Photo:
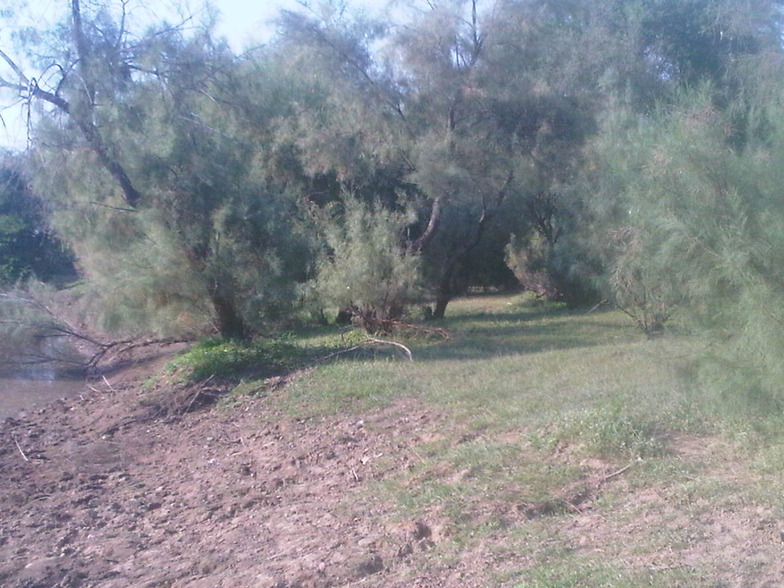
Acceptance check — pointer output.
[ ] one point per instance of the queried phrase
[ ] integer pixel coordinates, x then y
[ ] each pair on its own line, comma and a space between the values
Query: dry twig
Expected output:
394, 343
20, 449
613, 475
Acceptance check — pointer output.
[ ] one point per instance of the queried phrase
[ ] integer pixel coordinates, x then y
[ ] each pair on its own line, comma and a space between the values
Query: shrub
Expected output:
365, 267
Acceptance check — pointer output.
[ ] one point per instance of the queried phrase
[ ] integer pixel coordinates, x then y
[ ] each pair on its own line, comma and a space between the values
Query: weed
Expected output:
611, 432
232, 359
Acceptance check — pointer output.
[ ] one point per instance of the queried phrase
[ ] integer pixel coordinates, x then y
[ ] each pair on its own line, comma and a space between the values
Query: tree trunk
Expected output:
432, 227
446, 289
230, 323
442, 299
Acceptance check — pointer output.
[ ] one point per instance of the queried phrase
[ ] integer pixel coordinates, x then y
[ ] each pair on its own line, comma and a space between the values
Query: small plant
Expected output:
644, 294
232, 359
614, 433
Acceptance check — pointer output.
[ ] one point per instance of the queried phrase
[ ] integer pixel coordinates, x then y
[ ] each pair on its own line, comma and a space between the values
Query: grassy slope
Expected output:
575, 454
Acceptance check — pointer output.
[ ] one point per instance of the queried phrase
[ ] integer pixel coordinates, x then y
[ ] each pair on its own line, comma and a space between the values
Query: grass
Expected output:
217, 358
515, 363
544, 406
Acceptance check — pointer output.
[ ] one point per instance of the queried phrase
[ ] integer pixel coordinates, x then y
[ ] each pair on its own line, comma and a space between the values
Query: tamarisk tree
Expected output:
154, 173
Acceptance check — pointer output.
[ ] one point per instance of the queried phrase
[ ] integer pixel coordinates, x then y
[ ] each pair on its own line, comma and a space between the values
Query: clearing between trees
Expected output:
536, 446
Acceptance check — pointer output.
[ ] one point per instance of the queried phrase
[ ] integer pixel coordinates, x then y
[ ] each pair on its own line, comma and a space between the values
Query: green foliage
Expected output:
212, 244
534, 119
700, 228
366, 266
28, 248
233, 360
611, 431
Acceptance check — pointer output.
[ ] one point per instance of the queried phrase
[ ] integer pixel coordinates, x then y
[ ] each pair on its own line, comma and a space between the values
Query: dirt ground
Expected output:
131, 486
107, 490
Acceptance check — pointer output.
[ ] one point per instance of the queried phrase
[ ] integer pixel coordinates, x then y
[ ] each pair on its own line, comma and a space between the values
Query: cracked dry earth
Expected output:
96, 492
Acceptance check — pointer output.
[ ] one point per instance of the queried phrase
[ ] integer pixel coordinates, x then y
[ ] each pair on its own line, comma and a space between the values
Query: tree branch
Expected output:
14, 67
432, 227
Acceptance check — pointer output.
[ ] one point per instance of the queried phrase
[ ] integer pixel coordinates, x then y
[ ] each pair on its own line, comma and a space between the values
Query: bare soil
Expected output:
131, 486
109, 489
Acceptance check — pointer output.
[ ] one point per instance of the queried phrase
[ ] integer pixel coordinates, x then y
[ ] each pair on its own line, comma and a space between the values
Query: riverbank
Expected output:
101, 490
533, 447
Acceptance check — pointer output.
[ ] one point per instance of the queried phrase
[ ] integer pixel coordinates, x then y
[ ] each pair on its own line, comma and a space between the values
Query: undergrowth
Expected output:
234, 360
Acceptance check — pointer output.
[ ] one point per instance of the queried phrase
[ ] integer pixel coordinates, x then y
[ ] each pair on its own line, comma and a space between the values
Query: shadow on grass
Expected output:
519, 330
524, 329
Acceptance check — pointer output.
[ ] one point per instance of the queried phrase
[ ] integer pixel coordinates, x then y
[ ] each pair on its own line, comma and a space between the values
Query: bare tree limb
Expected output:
17, 70
20, 449
433, 223
393, 343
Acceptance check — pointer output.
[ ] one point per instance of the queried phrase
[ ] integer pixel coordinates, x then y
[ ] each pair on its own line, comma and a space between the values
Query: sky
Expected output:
242, 22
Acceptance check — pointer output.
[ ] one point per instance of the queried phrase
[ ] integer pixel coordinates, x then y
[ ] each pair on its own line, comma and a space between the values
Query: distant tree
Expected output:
28, 247
460, 126
623, 62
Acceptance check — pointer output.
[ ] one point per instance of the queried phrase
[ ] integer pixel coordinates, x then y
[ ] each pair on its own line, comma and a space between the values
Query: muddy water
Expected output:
17, 394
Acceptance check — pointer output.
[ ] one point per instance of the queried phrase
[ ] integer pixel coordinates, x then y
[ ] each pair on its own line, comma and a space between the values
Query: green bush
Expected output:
366, 267
696, 195
233, 360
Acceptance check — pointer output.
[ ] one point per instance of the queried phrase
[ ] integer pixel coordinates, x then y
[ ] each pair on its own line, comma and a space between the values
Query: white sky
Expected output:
242, 22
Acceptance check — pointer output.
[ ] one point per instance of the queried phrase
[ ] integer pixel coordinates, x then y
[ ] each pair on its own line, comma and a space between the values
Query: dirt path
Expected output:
98, 492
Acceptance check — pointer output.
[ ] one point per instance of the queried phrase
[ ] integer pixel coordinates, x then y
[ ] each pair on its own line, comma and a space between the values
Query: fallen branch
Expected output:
199, 391
52, 326
20, 449
394, 343
341, 352
365, 343
613, 475
597, 305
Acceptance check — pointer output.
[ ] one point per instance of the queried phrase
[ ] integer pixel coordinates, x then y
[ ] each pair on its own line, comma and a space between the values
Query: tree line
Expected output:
589, 150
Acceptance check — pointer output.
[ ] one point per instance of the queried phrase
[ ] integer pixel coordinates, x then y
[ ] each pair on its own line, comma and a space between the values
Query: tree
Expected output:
28, 247
157, 177
458, 123
709, 214
95, 64
364, 267
622, 62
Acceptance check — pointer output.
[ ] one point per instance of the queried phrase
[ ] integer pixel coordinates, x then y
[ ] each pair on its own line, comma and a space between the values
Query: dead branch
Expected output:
17, 70
56, 326
393, 343
20, 449
613, 475
124, 346
367, 342
199, 391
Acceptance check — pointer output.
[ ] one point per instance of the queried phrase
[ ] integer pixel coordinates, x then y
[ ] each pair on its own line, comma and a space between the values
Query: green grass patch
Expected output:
233, 360
539, 404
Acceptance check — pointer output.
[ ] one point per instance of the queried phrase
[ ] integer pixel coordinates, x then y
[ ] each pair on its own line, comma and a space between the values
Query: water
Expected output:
17, 394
